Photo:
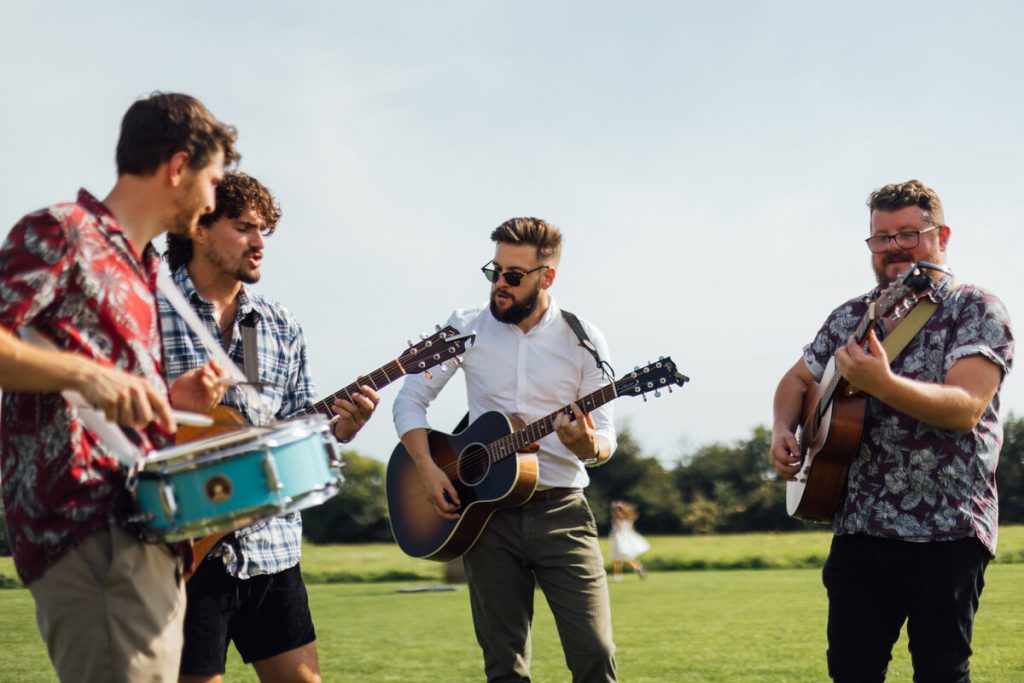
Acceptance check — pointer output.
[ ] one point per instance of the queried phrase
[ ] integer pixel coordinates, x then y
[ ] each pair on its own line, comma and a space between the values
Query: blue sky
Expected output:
707, 162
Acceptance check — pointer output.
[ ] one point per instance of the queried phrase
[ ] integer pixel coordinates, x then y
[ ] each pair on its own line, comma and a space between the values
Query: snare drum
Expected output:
227, 481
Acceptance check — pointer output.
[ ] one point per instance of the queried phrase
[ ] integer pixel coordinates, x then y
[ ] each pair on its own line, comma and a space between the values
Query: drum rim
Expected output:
279, 434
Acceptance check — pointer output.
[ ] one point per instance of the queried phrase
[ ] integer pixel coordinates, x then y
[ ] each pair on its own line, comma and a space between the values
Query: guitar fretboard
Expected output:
535, 431
378, 379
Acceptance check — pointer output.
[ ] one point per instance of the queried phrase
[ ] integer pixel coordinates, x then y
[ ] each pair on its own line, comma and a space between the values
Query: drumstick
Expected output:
184, 417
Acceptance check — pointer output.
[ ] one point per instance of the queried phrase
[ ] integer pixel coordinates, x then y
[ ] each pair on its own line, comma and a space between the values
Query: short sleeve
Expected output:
981, 328
34, 262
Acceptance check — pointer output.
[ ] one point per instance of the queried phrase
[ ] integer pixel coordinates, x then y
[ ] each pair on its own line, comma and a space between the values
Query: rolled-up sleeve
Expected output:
594, 379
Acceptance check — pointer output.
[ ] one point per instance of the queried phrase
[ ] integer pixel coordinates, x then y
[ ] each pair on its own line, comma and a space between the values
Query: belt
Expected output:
548, 495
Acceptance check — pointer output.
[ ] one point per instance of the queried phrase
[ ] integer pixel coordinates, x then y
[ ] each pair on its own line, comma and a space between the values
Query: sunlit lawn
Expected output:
741, 625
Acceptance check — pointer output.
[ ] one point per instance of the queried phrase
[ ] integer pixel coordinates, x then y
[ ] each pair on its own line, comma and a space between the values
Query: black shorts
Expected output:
264, 616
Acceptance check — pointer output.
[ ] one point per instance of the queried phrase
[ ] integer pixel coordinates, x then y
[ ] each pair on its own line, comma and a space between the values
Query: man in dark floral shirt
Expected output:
82, 275
919, 521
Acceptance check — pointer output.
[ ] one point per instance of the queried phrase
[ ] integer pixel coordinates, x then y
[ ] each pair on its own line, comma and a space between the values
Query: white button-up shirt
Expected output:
528, 375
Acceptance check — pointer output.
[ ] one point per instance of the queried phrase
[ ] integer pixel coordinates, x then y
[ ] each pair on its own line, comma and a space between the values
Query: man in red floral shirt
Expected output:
83, 275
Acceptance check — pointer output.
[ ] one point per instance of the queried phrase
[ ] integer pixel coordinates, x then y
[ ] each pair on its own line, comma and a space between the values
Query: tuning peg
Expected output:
427, 374
423, 335
636, 368
670, 388
644, 396
459, 360
657, 393
408, 342
437, 328
444, 367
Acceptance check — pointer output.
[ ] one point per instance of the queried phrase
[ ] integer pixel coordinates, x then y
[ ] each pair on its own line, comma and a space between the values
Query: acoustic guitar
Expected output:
489, 469
444, 346
833, 410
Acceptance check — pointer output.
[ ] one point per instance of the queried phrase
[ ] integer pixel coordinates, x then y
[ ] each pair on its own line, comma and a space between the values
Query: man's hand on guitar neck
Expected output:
869, 372
579, 435
352, 415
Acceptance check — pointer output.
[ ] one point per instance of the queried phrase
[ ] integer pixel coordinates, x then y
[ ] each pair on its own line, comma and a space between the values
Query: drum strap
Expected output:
250, 352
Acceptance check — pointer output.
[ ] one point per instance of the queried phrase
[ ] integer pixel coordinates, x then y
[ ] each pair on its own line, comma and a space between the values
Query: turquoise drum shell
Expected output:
225, 482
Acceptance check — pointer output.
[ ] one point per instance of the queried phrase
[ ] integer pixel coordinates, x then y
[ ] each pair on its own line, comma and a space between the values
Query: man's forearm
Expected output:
24, 367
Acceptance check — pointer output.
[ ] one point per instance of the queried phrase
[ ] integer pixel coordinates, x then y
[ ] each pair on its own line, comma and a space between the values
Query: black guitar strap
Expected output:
577, 328
581, 334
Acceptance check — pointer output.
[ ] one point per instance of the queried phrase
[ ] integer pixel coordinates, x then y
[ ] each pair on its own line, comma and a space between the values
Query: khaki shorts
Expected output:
111, 609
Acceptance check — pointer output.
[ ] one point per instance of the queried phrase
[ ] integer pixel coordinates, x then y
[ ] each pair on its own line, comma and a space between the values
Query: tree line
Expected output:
719, 488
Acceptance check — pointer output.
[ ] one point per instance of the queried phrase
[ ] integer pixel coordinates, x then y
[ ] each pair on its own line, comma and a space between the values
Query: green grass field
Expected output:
713, 625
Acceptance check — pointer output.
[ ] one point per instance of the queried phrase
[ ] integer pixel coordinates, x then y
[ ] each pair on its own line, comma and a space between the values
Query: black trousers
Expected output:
876, 584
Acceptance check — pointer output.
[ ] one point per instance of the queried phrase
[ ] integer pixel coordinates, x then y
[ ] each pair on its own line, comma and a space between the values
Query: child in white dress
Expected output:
626, 543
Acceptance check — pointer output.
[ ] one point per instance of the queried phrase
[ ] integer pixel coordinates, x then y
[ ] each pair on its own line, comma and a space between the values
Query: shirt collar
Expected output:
149, 259
942, 289
246, 303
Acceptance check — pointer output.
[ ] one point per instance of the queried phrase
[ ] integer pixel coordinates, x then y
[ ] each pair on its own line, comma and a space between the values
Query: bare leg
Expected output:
616, 570
638, 568
301, 665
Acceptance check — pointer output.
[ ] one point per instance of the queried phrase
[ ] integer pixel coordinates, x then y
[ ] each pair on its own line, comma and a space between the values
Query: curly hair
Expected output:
156, 128
235, 193
897, 196
541, 234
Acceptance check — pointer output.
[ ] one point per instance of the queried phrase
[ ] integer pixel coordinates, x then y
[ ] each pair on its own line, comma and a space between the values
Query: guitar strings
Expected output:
506, 445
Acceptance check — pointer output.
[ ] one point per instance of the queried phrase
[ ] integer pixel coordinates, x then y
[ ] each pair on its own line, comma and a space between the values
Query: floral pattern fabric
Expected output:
911, 480
70, 273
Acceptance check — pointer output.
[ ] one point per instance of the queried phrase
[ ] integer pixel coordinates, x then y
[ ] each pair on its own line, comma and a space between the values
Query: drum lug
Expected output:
168, 501
270, 469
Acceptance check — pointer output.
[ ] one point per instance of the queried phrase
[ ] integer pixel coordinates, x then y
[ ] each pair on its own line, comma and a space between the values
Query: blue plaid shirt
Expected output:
270, 546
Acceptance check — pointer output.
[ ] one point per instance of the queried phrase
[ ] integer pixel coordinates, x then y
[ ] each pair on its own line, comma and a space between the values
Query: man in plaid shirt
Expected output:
250, 589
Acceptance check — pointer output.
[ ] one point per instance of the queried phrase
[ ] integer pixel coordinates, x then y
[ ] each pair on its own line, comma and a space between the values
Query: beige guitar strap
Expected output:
903, 333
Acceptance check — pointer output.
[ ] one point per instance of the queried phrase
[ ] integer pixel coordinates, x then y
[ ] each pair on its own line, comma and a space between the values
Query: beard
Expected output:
883, 278
518, 311
187, 211
241, 272
905, 260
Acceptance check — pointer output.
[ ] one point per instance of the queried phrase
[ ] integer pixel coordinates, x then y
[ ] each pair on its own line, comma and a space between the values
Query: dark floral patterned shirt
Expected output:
69, 272
911, 480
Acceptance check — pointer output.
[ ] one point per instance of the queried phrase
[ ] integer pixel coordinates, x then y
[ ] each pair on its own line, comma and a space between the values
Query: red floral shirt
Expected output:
70, 273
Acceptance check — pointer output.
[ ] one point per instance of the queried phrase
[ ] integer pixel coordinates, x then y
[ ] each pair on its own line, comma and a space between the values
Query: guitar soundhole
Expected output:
473, 465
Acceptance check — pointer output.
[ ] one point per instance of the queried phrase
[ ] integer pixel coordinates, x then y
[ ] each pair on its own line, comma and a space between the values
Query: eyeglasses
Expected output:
512, 277
908, 239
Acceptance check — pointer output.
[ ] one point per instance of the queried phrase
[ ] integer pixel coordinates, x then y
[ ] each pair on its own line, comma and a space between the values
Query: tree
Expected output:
733, 488
641, 480
359, 512
1010, 473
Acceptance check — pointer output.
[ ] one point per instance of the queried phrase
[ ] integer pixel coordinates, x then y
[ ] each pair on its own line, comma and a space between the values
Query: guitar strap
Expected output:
250, 352
577, 328
904, 333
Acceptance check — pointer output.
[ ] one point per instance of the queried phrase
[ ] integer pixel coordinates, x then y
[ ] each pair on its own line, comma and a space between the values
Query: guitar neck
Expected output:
535, 431
860, 334
378, 379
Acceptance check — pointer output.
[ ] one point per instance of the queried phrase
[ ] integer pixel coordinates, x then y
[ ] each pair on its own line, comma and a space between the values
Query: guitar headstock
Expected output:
652, 377
905, 290
445, 345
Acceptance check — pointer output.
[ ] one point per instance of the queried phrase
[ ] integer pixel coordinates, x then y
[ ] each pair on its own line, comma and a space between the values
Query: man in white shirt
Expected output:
527, 363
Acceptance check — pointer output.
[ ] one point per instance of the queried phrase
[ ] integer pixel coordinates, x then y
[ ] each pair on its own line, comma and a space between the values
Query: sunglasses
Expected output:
512, 277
